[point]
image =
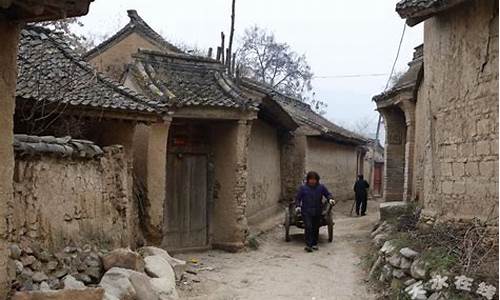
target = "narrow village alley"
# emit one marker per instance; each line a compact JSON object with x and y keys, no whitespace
{"x":281,"y":270}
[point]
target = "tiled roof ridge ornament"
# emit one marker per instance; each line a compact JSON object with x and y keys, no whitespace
{"x":133,"y":15}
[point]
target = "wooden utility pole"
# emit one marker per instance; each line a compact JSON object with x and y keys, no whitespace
{"x":222,"y":47}
{"x":231,"y":36}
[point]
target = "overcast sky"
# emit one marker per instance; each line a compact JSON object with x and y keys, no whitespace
{"x":338,"y":37}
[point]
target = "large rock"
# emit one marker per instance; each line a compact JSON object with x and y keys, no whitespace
{"x":164,"y":288}
{"x":126,"y":284}
{"x":405,"y":263}
{"x":86,"y":294}
{"x":123,"y":258}
{"x":178,"y":265}
{"x":157,"y":267}
{"x":392,"y":210}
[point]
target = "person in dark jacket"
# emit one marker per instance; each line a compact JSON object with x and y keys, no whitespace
{"x":309,"y":203}
{"x":361,"y":191}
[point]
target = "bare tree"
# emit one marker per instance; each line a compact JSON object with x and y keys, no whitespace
{"x":78,"y":42}
{"x":266,"y":60}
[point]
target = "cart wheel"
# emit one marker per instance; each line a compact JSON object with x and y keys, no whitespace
{"x":330,"y":229}
{"x":287,"y":225}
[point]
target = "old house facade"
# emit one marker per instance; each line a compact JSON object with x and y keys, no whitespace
{"x":317,"y":144}
{"x":442,"y":116}
{"x":229,"y":142}
{"x":76,"y":187}
{"x":12,"y":15}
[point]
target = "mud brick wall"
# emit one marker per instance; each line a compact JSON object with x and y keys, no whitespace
{"x":336,"y":164}
{"x":64,"y":200}
{"x":264,"y":172}
{"x":457,"y":113}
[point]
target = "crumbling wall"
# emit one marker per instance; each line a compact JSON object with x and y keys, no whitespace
{"x":63,"y":200}
{"x":264,"y":172}
{"x":293,"y":168}
{"x":230,"y":147}
{"x":457,"y":113}
{"x":336,"y":164}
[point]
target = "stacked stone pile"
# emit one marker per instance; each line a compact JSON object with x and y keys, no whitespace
{"x":87,"y":273}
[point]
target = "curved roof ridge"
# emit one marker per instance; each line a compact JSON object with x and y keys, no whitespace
{"x":136,"y":22}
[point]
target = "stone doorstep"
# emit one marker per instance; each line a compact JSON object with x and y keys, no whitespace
{"x":85,"y":294}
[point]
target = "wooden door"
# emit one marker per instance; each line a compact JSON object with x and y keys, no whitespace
{"x":186,"y":206}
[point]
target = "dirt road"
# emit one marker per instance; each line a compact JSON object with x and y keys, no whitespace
{"x":281,"y":270}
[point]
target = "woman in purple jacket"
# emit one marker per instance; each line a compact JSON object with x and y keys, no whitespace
{"x":309,"y":203}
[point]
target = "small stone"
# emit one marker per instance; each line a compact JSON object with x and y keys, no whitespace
{"x":380,"y":239}
{"x":408,"y":253}
{"x":15,"y":251}
{"x":71,"y":283}
{"x":409,"y":282}
{"x":61,"y":273}
{"x":36,"y":266}
{"x":43,"y":256}
{"x":44,"y":286}
{"x":83,"y":278}
{"x":55,"y":284}
{"x":52,"y":265}
{"x":70,"y":249}
{"x":418,"y":269}
{"x":394,"y":260}
{"x":39,"y":277}
{"x":405,"y":263}
{"x":386,"y":272}
{"x":94,"y":273}
{"x":28,"y":260}
{"x":397,"y":273}
{"x":387,"y":248}
{"x":18,"y":266}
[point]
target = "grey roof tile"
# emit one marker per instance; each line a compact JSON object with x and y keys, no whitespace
{"x":30,"y":145}
{"x":50,"y":71}
{"x":186,"y":80}
{"x":303,"y":114}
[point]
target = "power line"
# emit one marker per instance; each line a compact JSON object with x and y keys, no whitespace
{"x":352,"y":75}
{"x":390,"y":76}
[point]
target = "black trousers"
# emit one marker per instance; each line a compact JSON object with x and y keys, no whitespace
{"x":361,"y":201}
{"x":311,"y":224}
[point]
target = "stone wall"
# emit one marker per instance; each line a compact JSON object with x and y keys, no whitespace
{"x":336,"y":164}
{"x":457,"y":113}
{"x":264,"y":172}
{"x":63,"y":200}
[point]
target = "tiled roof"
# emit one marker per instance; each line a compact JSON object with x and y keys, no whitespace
{"x":187,"y":80}
{"x":138,"y":25}
{"x":303,"y":114}
{"x":30,"y":145}
{"x":409,"y":80}
{"x":416,"y":11}
{"x":50,"y":71}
